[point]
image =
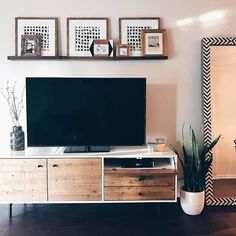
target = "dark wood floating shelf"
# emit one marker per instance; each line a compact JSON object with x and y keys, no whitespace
{"x":18,"y":58}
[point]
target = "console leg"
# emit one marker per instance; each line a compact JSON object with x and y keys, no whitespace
{"x":10,"y":211}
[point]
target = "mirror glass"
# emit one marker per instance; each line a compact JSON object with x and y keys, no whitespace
{"x":223,"y":102}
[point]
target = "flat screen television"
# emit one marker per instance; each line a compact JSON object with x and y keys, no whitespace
{"x":83,"y":113}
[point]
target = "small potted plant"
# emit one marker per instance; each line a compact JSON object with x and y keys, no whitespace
{"x":15,"y":105}
{"x":195,"y":166}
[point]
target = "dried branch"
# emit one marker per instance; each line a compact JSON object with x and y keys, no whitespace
{"x":15,"y":104}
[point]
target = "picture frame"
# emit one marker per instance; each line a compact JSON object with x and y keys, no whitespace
{"x":46,"y":27}
{"x":123,"y":50}
{"x":31,"y":45}
{"x":80,"y":32}
{"x":101,"y":48}
{"x":130,"y":31}
{"x":153,"y":42}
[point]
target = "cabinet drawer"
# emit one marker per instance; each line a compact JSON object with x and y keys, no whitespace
{"x":139,"y":193}
{"x":140,"y":171}
{"x":145,"y":180}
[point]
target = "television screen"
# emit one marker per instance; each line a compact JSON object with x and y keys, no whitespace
{"x":85,"y":111}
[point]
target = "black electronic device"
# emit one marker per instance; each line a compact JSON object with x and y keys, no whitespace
{"x":137,"y":163}
{"x":86,"y":114}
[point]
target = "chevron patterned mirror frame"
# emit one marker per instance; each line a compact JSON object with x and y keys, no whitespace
{"x":207,"y":43}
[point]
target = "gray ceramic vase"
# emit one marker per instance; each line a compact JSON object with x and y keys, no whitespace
{"x":17,"y":139}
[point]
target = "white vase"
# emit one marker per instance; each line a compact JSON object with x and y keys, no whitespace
{"x":192,"y":203}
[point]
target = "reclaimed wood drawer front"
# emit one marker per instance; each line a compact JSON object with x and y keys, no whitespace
{"x":23,"y":180}
{"x":139,"y":180}
{"x":74,"y":179}
{"x":140,"y":171}
{"x":139,"y":193}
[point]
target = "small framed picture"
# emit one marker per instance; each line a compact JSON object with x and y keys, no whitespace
{"x":30,"y":45}
{"x":80,"y":32}
{"x":123,"y":50}
{"x":101,"y":48}
{"x":130,"y":31}
{"x":153,"y":42}
{"x":46,"y":27}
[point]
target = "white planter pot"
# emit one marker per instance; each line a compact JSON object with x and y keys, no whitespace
{"x":192,"y":203}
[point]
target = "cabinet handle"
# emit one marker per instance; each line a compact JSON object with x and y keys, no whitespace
{"x":55,"y":165}
{"x":140,"y":194}
{"x":40,"y":166}
{"x":142,"y":178}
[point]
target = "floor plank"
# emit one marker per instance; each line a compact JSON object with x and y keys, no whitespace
{"x":116,"y":220}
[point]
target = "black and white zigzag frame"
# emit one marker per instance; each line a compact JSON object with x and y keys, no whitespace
{"x":206,"y":92}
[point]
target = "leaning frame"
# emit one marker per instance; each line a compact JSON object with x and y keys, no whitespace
{"x":207,"y":123}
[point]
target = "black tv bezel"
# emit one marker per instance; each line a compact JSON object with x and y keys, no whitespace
{"x":87,"y":146}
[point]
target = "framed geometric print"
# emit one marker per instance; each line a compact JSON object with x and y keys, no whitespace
{"x":130,"y":31}
{"x":46,"y":27}
{"x":80,"y":32}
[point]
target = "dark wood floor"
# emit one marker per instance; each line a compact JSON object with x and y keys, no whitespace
{"x":117,"y":220}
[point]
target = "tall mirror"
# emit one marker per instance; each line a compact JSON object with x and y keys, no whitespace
{"x":219,"y":108}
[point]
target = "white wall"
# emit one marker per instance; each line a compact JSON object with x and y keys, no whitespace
{"x":174,"y":86}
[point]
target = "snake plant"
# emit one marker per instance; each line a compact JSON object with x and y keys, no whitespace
{"x":195,"y":161}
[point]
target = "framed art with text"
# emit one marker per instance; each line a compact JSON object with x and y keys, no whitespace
{"x":153,"y":42}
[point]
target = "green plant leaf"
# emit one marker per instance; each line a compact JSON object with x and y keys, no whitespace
{"x":196,"y":161}
{"x":207,"y":148}
{"x":172,"y":148}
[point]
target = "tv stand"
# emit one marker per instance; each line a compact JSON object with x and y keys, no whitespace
{"x":125,"y":174}
{"x":81,"y":149}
